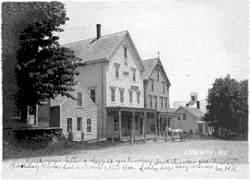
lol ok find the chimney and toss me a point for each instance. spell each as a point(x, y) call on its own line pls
point(198, 104)
point(98, 30)
point(187, 105)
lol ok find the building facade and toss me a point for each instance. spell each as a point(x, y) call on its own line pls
point(112, 73)
point(156, 93)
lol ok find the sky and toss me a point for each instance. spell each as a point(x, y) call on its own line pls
point(197, 40)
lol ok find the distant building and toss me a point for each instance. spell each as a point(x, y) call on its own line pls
point(190, 115)
point(189, 118)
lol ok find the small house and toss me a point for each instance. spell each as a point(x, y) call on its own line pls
point(75, 116)
point(191, 119)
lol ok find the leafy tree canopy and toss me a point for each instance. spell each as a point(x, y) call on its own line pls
point(228, 103)
point(43, 68)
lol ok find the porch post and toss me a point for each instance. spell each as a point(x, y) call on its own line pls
point(155, 127)
point(120, 123)
point(159, 126)
point(166, 131)
point(145, 127)
point(36, 115)
point(132, 128)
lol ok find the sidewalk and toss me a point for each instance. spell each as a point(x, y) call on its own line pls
point(149, 138)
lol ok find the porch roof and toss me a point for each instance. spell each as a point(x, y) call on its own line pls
point(131, 109)
point(164, 113)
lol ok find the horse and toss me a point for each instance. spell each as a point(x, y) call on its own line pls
point(175, 131)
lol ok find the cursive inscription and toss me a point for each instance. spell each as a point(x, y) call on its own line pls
point(127, 164)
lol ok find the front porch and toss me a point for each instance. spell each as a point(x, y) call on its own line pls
point(133, 123)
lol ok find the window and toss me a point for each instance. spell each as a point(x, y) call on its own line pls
point(69, 125)
point(125, 52)
point(161, 101)
point(184, 117)
point(79, 122)
point(164, 87)
point(150, 101)
point(155, 101)
point(158, 74)
point(79, 99)
point(134, 74)
point(138, 98)
point(92, 94)
point(112, 94)
point(117, 70)
point(122, 95)
point(152, 85)
point(116, 124)
point(88, 125)
point(166, 102)
point(131, 97)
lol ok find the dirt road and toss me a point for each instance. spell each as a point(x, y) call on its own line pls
point(158, 160)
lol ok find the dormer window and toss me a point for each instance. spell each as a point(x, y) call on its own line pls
point(134, 74)
point(152, 85)
point(158, 74)
point(79, 99)
point(117, 66)
point(125, 52)
point(164, 87)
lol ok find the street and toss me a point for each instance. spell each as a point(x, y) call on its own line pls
point(189, 159)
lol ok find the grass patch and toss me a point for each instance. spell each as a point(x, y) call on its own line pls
point(44, 147)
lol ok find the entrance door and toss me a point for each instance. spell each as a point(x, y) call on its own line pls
point(79, 128)
point(31, 120)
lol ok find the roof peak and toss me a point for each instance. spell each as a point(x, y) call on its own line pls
point(151, 59)
point(120, 32)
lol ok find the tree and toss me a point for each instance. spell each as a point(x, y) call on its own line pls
point(227, 104)
point(40, 67)
point(242, 110)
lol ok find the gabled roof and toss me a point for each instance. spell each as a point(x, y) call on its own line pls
point(96, 49)
point(194, 111)
point(150, 65)
point(60, 99)
point(177, 104)
point(102, 49)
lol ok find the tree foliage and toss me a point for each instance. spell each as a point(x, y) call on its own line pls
point(227, 104)
point(42, 68)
